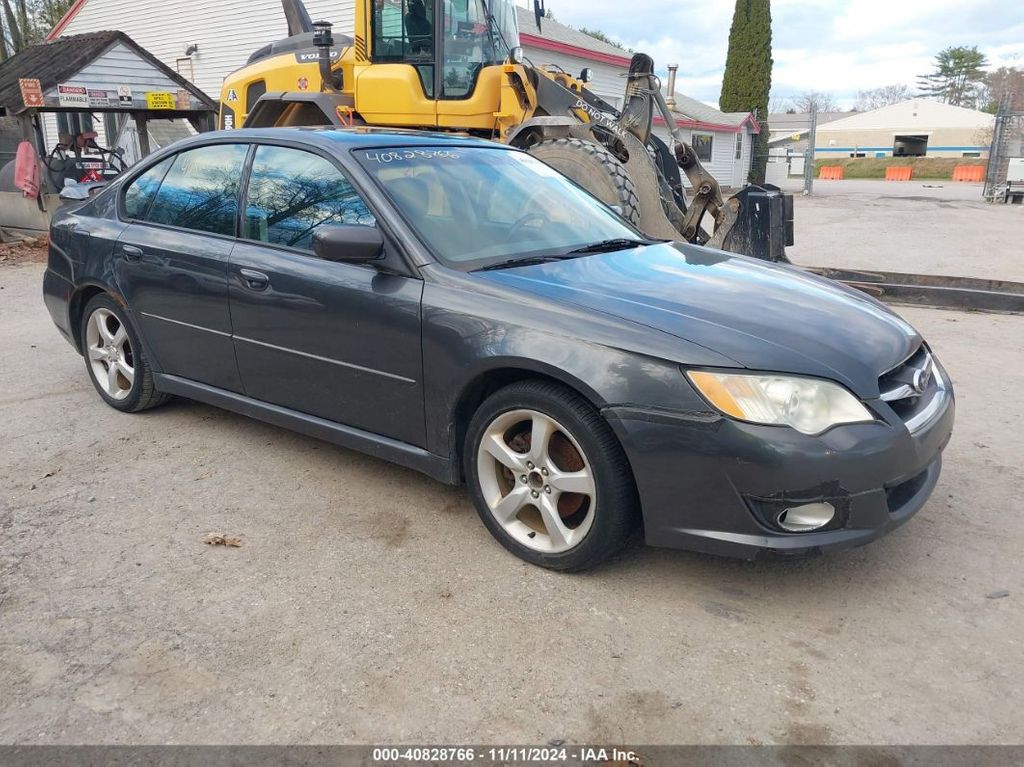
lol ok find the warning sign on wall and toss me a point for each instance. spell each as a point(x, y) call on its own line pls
point(31, 92)
point(72, 96)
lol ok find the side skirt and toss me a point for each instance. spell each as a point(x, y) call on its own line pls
point(401, 453)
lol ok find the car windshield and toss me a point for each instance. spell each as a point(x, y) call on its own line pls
point(477, 206)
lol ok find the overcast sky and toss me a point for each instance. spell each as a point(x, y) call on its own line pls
point(837, 46)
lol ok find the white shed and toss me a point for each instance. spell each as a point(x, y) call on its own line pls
point(723, 141)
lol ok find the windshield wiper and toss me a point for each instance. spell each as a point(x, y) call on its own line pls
point(604, 246)
point(513, 262)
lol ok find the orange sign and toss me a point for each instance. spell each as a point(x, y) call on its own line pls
point(31, 92)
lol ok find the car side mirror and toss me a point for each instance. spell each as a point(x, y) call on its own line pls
point(352, 243)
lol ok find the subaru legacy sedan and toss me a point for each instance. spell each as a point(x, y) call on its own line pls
point(460, 308)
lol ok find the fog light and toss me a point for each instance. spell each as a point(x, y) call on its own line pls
point(802, 519)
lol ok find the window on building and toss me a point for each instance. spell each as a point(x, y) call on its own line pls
point(200, 191)
point(112, 122)
point(739, 145)
point(971, 154)
point(701, 143)
point(292, 193)
point(73, 123)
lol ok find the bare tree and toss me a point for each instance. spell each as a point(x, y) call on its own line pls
point(777, 104)
point(809, 101)
point(876, 98)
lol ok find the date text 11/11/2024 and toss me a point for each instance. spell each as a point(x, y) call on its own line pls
point(470, 754)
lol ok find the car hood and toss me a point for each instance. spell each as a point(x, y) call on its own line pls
point(763, 316)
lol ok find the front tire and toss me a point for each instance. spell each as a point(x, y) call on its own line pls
point(117, 365)
point(548, 477)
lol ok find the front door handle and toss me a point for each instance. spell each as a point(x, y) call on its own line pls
point(131, 253)
point(254, 280)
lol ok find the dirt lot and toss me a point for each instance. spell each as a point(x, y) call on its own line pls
point(928, 227)
point(367, 603)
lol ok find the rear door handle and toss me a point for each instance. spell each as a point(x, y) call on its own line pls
point(131, 253)
point(254, 280)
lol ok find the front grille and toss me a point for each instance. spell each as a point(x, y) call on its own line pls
point(915, 389)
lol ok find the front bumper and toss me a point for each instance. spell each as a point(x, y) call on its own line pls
point(709, 483)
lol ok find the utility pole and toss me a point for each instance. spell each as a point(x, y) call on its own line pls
point(812, 132)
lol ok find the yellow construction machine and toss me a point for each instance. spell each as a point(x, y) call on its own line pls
point(456, 65)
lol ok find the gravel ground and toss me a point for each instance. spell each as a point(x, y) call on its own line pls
point(368, 604)
point(923, 227)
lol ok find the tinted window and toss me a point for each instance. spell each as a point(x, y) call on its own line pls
point(292, 193)
point(142, 190)
point(201, 189)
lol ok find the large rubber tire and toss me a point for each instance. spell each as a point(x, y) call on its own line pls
point(595, 169)
point(615, 511)
point(142, 393)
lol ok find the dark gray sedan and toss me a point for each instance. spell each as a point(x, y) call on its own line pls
point(458, 307)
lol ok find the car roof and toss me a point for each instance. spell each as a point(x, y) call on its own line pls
point(330, 137)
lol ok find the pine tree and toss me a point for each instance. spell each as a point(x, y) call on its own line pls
point(958, 76)
point(748, 72)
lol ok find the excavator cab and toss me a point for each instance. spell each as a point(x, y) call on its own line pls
point(411, 63)
point(457, 65)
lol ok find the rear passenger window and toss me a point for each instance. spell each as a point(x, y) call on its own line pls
point(142, 190)
point(200, 191)
point(292, 193)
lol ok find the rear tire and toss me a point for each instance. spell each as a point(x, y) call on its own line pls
point(548, 477)
point(595, 169)
point(114, 358)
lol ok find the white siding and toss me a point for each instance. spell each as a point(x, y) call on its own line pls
point(607, 82)
point(723, 154)
point(227, 31)
point(742, 165)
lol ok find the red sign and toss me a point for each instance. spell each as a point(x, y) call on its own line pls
point(31, 92)
point(303, 84)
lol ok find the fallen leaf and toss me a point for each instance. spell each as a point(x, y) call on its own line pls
point(220, 539)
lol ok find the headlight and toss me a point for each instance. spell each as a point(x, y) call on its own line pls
point(809, 405)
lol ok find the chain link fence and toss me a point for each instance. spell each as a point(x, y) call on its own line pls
point(1007, 142)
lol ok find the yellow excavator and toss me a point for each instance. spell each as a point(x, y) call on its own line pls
point(457, 65)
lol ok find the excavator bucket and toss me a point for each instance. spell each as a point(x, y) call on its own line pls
point(757, 221)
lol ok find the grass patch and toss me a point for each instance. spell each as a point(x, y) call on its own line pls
point(874, 167)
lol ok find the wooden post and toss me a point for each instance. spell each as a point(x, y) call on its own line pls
point(141, 125)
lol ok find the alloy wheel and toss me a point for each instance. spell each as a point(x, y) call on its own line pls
point(536, 481)
point(111, 358)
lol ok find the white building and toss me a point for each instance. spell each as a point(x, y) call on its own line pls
point(204, 41)
point(723, 141)
point(914, 128)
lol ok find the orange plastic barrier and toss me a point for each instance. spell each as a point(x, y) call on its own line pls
point(969, 173)
point(898, 173)
point(831, 172)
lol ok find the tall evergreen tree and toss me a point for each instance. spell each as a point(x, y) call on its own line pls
point(958, 77)
point(748, 72)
